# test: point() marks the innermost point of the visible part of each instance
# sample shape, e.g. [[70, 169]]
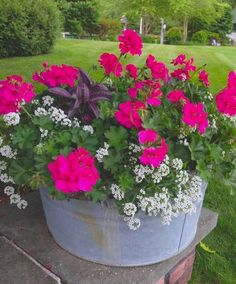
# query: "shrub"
[[108, 29], [174, 35], [75, 28], [201, 37], [27, 27], [151, 38]]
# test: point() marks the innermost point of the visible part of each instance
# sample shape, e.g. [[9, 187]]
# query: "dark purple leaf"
[[86, 93], [84, 77], [94, 108], [99, 98], [60, 92]]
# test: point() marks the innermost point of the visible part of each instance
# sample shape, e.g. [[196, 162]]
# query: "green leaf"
[[197, 148], [117, 137], [206, 248]]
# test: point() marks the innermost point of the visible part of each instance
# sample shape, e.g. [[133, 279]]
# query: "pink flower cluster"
[[159, 70], [195, 116], [74, 173], [203, 77], [226, 99], [111, 64], [132, 71], [13, 91], [177, 96], [186, 66], [130, 42], [54, 76], [128, 114], [147, 136], [154, 156]]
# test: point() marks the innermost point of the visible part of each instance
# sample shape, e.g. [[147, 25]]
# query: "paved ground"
[[29, 255]]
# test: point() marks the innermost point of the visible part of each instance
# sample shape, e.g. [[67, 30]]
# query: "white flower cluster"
[[182, 178], [102, 152], [44, 132], [213, 123], [133, 223], [117, 193], [15, 198], [130, 209], [57, 115], [177, 164], [230, 118], [141, 171], [3, 166], [157, 204], [5, 178], [88, 128], [8, 152], [163, 205], [47, 101], [183, 140], [161, 172], [209, 96], [12, 118]]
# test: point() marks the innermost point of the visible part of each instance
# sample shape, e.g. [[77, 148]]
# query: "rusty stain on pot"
[[96, 232]]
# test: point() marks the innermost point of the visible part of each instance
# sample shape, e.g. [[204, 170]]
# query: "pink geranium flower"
[[147, 136], [128, 114], [132, 92], [111, 64], [154, 99], [177, 96], [158, 69], [181, 74], [130, 42], [13, 92], [154, 156], [226, 101], [55, 75], [74, 173], [132, 71], [195, 115], [203, 76], [232, 79], [179, 60]]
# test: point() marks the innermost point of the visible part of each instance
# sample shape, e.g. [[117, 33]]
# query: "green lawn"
[[209, 268]]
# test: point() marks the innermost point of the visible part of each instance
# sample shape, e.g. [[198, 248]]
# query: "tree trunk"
[[185, 29]]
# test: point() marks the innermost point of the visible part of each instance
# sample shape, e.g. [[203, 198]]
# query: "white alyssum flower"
[[117, 193], [44, 132], [133, 223], [195, 192], [135, 148], [102, 152], [12, 118], [183, 203], [6, 179], [161, 172], [3, 166], [182, 178], [129, 209], [76, 122], [22, 204], [15, 198], [47, 101], [9, 190], [177, 164], [6, 151], [88, 128], [40, 112]]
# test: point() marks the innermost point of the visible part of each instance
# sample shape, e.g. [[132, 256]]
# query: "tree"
[[79, 15], [184, 10]]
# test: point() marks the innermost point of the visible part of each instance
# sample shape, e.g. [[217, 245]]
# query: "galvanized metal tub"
[[97, 232]]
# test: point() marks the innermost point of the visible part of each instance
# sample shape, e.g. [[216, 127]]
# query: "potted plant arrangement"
[[122, 165]]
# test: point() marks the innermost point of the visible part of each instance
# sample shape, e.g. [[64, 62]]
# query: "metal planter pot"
[[98, 233]]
